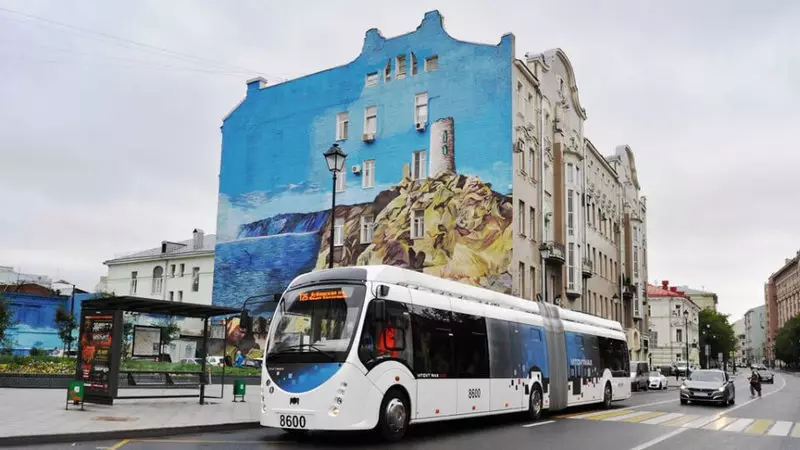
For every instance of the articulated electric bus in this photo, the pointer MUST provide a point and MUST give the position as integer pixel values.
(380, 347)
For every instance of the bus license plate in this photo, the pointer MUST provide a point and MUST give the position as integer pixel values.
(292, 421)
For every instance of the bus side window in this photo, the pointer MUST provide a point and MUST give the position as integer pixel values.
(389, 339)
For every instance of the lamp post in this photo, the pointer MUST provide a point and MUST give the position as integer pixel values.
(686, 322)
(334, 157)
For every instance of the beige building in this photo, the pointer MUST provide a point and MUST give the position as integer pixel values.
(782, 298)
(703, 299)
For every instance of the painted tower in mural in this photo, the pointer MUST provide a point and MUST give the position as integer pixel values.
(401, 200)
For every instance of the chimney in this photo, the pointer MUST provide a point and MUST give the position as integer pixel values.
(197, 239)
(665, 285)
(163, 247)
(673, 289)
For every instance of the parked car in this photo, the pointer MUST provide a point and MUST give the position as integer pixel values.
(766, 376)
(254, 363)
(640, 374)
(708, 386)
(658, 380)
(215, 360)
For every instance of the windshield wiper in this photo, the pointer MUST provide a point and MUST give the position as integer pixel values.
(295, 348)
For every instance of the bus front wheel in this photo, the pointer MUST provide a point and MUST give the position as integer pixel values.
(535, 404)
(607, 396)
(395, 414)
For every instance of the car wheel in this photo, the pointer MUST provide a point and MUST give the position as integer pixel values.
(535, 404)
(646, 386)
(684, 401)
(394, 416)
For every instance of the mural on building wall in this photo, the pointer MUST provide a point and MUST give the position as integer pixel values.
(446, 211)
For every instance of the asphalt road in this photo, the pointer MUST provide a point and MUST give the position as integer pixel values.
(649, 420)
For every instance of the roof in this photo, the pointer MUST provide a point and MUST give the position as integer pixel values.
(182, 249)
(689, 291)
(150, 306)
(657, 291)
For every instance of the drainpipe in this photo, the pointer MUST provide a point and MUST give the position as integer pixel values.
(541, 194)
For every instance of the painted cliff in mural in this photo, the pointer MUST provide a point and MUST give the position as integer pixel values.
(426, 123)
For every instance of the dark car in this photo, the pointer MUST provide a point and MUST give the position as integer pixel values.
(766, 376)
(708, 386)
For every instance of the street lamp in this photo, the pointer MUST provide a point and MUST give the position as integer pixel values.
(335, 158)
(686, 322)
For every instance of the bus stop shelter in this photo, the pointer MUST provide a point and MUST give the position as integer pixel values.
(100, 343)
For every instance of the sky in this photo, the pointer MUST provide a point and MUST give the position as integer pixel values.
(110, 114)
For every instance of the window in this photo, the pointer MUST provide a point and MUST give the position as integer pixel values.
(171, 296)
(371, 120)
(432, 63)
(532, 162)
(522, 166)
(180, 296)
(418, 165)
(529, 107)
(401, 67)
(421, 109)
(521, 276)
(600, 261)
(158, 279)
(413, 64)
(636, 261)
(433, 342)
(570, 212)
(338, 232)
(367, 224)
(521, 217)
(372, 79)
(341, 181)
(134, 281)
(389, 340)
(183, 269)
(533, 282)
(570, 173)
(504, 349)
(195, 279)
(368, 173)
(679, 335)
(594, 260)
(532, 219)
(571, 266)
(418, 224)
(342, 126)
(520, 97)
(472, 346)
(172, 271)
(387, 72)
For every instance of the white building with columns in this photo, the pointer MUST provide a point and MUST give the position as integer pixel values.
(670, 312)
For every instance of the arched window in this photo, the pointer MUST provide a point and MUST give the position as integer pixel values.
(158, 279)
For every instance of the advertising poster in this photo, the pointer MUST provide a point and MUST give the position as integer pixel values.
(96, 360)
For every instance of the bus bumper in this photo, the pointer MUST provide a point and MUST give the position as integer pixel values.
(346, 401)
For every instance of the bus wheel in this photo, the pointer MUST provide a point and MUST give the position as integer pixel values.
(607, 396)
(535, 404)
(395, 414)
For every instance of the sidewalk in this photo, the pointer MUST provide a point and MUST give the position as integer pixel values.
(37, 415)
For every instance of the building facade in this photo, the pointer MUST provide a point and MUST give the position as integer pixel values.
(176, 271)
(739, 353)
(9, 276)
(755, 334)
(670, 329)
(703, 299)
(463, 161)
(782, 300)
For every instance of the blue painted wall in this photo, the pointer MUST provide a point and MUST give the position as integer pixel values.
(275, 188)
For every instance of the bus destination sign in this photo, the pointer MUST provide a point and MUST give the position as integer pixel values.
(323, 294)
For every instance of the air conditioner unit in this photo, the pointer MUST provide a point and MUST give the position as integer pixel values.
(368, 137)
(356, 169)
(420, 126)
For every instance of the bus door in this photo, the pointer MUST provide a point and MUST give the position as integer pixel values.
(434, 362)
(472, 357)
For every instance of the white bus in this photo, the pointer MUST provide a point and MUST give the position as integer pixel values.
(380, 347)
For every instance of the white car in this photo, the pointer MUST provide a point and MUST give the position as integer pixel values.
(658, 381)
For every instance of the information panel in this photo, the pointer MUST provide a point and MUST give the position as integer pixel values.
(146, 341)
(98, 355)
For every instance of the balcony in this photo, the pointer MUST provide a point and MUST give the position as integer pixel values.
(586, 268)
(553, 252)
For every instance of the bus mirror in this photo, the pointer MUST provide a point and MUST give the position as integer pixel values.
(383, 290)
(245, 321)
(380, 311)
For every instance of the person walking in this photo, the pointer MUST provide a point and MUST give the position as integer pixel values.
(755, 383)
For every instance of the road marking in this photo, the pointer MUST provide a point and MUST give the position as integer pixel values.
(672, 400)
(581, 415)
(662, 419)
(720, 423)
(645, 416)
(119, 444)
(625, 416)
(207, 441)
(609, 414)
(759, 427)
(739, 425)
(678, 422)
(781, 428)
(672, 434)
(701, 422)
(796, 431)
(536, 424)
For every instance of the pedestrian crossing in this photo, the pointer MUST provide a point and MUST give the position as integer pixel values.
(716, 422)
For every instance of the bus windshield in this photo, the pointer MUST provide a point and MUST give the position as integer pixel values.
(315, 324)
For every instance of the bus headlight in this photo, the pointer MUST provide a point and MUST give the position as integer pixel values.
(334, 411)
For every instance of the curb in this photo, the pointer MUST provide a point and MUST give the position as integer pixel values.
(122, 434)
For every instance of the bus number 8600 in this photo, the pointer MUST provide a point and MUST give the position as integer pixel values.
(474, 393)
(292, 421)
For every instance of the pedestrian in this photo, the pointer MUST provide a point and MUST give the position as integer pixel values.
(755, 383)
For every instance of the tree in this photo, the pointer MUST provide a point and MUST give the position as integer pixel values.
(717, 332)
(65, 323)
(169, 332)
(787, 343)
(6, 321)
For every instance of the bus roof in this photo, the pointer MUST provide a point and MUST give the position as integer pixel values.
(413, 279)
